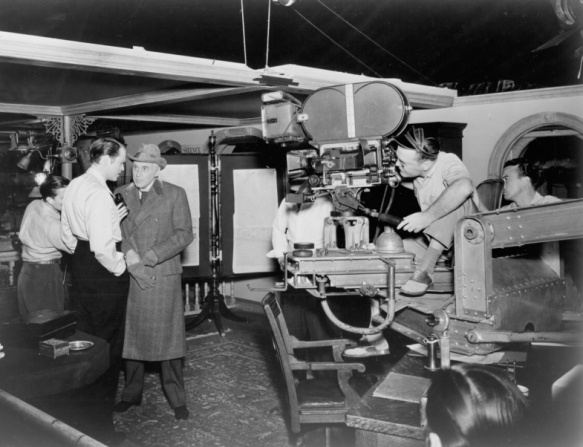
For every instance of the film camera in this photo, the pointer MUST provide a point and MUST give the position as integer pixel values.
(487, 300)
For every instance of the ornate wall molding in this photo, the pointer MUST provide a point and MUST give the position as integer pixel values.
(54, 126)
(511, 139)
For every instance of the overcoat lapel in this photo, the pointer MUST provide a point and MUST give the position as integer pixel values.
(154, 199)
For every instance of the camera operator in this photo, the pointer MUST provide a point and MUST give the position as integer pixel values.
(445, 193)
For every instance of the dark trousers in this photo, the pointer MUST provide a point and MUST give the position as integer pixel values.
(99, 299)
(40, 286)
(172, 381)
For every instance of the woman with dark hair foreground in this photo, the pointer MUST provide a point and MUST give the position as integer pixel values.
(474, 405)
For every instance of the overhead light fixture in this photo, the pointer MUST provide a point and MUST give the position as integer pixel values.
(68, 154)
(284, 2)
(24, 162)
(35, 193)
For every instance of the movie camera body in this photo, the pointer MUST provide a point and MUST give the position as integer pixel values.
(487, 300)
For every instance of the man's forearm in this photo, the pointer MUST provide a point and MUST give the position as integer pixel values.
(450, 199)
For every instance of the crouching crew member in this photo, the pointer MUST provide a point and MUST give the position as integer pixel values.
(40, 283)
(445, 194)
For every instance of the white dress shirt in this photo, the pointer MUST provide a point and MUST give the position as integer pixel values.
(40, 233)
(89, 214)
(303, 224)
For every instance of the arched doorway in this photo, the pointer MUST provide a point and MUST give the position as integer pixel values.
(555, 140)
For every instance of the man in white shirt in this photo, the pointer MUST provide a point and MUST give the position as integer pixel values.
(40, 283)
(299, 223)
(90, 228)
(521, 179)
(445, 194)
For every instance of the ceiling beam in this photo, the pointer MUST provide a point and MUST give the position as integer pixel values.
(158, 98)
(176, 119)
(30, 109)
(309, 79)
(65, 54)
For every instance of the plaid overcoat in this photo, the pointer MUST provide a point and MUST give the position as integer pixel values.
(155, 316)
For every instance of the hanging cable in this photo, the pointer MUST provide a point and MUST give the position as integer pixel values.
(268, 26)
(379, 46)
(244, 41)
(336, 43)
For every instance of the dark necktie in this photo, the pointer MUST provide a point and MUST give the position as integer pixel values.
(143, 197)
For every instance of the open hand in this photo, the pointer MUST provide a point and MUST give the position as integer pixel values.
(122, 211)
(132, 257)
(415, 222)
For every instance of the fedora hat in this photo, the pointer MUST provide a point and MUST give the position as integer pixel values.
(149, 153)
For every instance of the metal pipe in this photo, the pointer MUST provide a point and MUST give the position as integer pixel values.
(524, 337)
(66, 434)
(390, 307)
(67, 140)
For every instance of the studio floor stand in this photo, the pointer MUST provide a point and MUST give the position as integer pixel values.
(214, 298)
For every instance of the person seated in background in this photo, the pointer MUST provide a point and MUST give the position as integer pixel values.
(474, 406)
(521, 179)
(40, 283)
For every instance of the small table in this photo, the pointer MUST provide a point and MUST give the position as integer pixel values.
(381, 422)
(25, 373)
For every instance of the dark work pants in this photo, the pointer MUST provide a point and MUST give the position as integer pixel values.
(40, 286)
(306, 320)
(172, 381)
(99, 299)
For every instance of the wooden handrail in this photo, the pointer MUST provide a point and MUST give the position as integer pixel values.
(65, 434)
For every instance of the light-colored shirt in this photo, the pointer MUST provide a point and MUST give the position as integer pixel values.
(89, 214)
(447, 169)
(40, 233)
(303, 224)
(536, 200)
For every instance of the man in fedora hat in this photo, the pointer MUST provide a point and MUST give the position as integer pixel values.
(157, 229)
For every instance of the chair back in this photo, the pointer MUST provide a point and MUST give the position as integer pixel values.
(490, 193)
(285, 353)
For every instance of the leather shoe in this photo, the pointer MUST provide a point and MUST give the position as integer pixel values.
(418, 284)
(364, 351)
(181, 413)
(123, 406)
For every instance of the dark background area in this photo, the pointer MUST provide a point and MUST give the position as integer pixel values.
(446, 41)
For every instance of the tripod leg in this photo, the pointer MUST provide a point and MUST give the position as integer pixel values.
(219, 324)
(206, 312)
(226, 312)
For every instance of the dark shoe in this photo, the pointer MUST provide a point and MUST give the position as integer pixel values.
(123, 406)
(181, 413)
(417, 284)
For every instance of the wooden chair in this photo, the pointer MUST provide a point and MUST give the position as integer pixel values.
(490, 193)
(313, 401)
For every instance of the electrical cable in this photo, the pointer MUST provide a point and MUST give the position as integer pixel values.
(268, 27)
(375, 43)
(336, 43)
(244, 40)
